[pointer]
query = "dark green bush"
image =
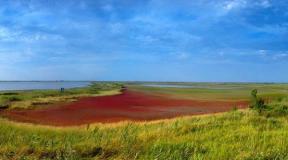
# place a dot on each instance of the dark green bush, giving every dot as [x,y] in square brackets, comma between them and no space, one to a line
[268,110]
[257,103]
[12,98]
[9,93]
[277,110]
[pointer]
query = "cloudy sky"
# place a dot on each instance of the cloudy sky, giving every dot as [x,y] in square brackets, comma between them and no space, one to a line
[161,40]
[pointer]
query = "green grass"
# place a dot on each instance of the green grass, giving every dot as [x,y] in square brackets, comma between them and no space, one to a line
[217,91]
[233,135]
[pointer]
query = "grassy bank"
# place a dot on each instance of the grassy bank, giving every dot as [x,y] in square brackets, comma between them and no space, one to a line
[233,135]
[36,98]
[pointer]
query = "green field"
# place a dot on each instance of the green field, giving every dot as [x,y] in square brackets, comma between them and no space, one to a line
[216,91]
[238,134]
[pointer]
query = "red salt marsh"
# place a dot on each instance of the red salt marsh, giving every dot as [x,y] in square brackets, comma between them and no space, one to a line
[129,105]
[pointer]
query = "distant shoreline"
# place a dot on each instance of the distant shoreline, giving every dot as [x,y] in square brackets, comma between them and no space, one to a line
[162,82]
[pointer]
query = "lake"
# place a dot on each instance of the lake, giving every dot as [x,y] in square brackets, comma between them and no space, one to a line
[9,86]
[192,86]
[168,86]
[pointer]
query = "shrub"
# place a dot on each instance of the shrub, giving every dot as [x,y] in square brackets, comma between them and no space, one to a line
[275,108]
[12,98]
[257,103]
[278,110]
[9,93]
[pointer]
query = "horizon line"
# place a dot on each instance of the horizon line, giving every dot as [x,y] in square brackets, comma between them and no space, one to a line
[144,81]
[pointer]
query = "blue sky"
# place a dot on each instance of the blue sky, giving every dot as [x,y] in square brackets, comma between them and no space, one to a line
[151,40]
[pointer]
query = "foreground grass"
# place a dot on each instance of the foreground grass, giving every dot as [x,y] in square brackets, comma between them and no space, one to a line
[232,135]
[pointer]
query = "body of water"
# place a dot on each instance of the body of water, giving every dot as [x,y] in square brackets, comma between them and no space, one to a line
[168,86]
[10,86]
[191,86]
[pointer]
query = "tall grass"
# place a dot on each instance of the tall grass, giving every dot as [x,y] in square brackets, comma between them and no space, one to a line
[233,135]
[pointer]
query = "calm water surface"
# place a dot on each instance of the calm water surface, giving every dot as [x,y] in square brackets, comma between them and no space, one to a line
[190,86]
[168,86]
[9,86]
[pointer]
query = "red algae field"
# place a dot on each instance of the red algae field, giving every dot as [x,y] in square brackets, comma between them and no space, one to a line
[130,105]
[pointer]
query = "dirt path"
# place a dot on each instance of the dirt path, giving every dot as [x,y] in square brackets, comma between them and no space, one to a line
[130,105]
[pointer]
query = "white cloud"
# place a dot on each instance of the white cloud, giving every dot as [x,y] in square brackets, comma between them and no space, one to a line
[6,34]
[11,35]
[231,5]
[234,4]
[273,55]
[280,56]
[12,57]
[263,53]
[265,3]
[116,27]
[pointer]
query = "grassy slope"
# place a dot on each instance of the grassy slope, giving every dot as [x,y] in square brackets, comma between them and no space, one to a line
[234,135]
